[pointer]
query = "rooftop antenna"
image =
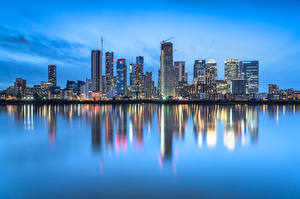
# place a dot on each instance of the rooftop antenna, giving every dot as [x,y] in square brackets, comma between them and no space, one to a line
[102,44]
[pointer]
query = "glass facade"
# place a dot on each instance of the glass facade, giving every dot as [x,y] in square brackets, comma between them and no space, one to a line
[52,74]
[166,70]
[250,71]
[121,76]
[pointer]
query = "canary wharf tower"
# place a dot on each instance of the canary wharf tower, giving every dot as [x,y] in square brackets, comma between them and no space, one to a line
[166,69]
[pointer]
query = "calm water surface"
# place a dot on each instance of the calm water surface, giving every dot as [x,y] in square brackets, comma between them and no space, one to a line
[149,151]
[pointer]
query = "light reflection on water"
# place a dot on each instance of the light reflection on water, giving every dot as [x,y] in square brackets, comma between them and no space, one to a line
[168,136]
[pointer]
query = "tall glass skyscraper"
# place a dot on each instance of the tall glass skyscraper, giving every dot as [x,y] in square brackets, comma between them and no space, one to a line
[250,71]
[139,74]
[212,72]
[231,71]
[199,71]
[52,74]
[121,76]
[166,70]
[96,73]
[109,70]
[132,74]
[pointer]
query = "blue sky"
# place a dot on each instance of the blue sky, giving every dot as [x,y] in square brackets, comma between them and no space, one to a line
[34,34]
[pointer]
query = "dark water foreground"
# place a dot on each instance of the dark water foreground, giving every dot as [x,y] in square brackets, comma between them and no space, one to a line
[149,151]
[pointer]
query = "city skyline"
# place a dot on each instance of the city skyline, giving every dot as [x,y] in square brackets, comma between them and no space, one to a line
[251,34]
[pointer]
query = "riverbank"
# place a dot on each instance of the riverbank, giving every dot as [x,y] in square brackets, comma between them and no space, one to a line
[204,102]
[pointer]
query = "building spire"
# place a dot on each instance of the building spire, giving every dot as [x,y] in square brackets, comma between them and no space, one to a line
[102,44]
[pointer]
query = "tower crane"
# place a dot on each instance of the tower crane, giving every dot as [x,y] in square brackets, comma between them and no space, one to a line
[167,40]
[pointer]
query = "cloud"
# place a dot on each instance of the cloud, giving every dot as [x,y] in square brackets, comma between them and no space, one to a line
[27,55]
[55,50]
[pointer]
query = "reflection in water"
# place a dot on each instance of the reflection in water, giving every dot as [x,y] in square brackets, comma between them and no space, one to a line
[116,126]
[149,151]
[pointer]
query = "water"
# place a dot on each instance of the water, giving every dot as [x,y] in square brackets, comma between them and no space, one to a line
[149,151]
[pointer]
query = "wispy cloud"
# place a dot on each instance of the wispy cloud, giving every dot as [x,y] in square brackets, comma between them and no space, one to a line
[18,45]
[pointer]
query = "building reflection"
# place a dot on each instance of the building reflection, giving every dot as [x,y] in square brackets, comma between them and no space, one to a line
[52,123]
[166,123]
[96,119]
[205,125]
[115,127]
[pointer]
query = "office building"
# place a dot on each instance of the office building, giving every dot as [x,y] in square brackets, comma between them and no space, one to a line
[132,74]
[139,75]
[109,70]
[231,71]
[238,86]
[186,77]
[52,74]
[121,76]
[222,87]
[19,87]
[250,72]
[96,73]
[158,84]
[199,71]
[211,72]
[148,85]
[166,70]
[179,72]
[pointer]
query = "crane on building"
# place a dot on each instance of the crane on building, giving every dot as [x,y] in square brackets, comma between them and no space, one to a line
[164,41]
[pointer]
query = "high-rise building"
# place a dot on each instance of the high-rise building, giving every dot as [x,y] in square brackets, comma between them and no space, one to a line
[131,74]
[166,70]
[249,71]
[186,77]
[109,70]
[148,85]
[231,71]
[139,73]
[52,74]
[158,84]
[96,73]
[211,72]
[121,76]
[19,87]
[179,70]
[199,71]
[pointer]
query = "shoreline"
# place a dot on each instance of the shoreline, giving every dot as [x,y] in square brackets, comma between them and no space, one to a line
[200,102]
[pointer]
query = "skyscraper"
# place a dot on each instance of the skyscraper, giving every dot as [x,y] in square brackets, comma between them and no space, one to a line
[158,84]
[132,74]
[199,71]
[231,71]
[250,73]
[121,76]
[179,69]
[148,85]
[186,79]
[166,69]
[109,69]
[139,74]
[52,74]
[96,73]
[212,72]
